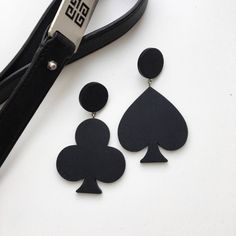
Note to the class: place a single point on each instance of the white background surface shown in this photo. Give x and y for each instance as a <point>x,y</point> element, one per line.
<point>195,193</point>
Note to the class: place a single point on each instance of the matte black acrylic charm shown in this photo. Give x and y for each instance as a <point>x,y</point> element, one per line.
<point>152,121</point>
<point>91,159</point>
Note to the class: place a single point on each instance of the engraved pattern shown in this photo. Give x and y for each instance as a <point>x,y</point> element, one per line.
<point>77,11</point>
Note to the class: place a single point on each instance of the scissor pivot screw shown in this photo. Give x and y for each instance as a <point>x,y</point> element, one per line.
<point>52,65</point>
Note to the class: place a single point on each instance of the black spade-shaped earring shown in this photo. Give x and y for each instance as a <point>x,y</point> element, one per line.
<point>91,159</point>
<point>152,121</point>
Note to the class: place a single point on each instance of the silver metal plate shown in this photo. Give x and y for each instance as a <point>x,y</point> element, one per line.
<point>72,19</point>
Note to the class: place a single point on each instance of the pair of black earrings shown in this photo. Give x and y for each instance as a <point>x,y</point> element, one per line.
<point>151,121</point>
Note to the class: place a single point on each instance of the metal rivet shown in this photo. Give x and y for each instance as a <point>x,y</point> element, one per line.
<point>52,65</point>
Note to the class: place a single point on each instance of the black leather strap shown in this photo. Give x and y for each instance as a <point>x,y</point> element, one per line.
<point>12,74</point>
<point>31,90</point>
<point>26,80</point>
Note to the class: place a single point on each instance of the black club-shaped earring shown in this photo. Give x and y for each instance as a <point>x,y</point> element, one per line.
<point>152,121</point>
<point>91,159</point>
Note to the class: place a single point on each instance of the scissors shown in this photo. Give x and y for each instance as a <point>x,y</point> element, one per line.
<point>57,40</point>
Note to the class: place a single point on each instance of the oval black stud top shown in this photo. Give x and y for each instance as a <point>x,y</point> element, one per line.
<point>150,63</point>
<point>93,97</point>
